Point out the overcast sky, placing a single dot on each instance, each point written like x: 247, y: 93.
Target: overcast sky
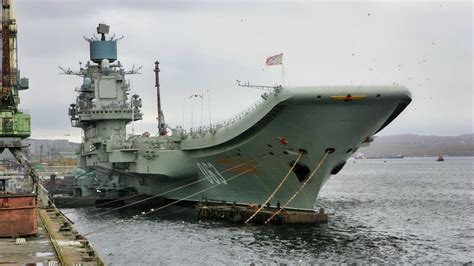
x: 206, y: 46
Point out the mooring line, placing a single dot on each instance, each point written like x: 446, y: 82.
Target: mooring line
x: 328, y: 151
x: 151, y: 197
x: 169, y: 191
x: 276, y: 189
x: 175, y: 202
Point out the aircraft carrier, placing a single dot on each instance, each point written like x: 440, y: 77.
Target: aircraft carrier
x: 281, y: 150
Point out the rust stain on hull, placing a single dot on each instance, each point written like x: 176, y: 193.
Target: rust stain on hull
x: 238, y: 165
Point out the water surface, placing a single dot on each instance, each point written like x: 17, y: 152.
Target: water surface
x: 411, y: 210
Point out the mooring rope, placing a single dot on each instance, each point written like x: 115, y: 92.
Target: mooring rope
x: 119, y: 199
x: 175, y: 202
x: 328, y: 151
x: 169, y: 191
x: 276, y: 189
x: 29, y: 169
x: 151, y: 197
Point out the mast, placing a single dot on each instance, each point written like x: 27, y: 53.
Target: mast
x: 160, y: 117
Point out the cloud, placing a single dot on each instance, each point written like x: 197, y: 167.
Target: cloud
x: 208, y: 45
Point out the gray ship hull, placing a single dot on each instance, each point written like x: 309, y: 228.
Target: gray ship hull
x: 263, y: 144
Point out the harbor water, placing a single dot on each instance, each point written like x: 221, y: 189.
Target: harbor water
x: 410, y: 210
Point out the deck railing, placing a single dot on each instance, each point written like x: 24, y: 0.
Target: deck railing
x: 226, y: 122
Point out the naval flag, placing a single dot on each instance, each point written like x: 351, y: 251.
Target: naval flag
x: 275, y: 60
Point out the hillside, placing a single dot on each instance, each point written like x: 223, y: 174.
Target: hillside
x: 419, y: 145
x: 47, y: 149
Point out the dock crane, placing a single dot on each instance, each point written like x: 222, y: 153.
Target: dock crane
x: 15, y: 125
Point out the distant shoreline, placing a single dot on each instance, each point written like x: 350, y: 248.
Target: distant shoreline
x: 407, y: 145
x: 410, y: 145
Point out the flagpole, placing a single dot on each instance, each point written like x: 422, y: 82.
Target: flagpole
x: 282, y: 74
x: 277, y: 60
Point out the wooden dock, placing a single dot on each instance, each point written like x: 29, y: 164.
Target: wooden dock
x: 56, y: 243
x: 239, y: 214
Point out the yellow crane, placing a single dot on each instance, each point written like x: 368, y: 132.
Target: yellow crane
x: 14, y: 124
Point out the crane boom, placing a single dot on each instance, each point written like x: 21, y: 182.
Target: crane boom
x: 13, y: 123
x: 6, y: 53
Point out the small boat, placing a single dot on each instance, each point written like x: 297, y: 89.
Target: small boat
x: 440, y: 158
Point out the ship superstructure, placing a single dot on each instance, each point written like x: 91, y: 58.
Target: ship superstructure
x: 103, y: 107
x: 281, y: 149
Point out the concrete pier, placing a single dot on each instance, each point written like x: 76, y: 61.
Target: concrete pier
x: 239, y: 214
x: 37, y: 249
